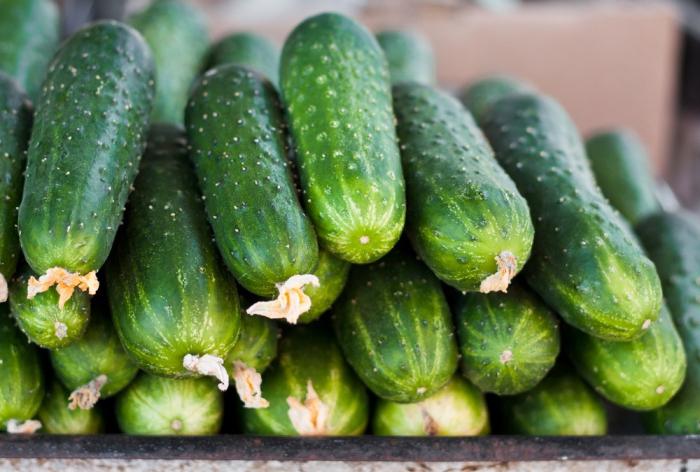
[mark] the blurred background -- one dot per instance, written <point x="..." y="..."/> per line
<point x="610" y="63"/>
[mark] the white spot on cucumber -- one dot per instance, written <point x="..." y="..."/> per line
<point x="660" y="389"/>
<point x="506" y="356"/>
<point x="61" y="330"/>
<point x="364" y="239"/>
<point x="646" y="324"/>
<point x="176" y="425"/>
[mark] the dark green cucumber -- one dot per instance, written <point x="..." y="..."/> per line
<point x="586" y="263"/>
<point x="465" y="217"/>
<point x="42" y="320"/>
<point x="257" y="344"/>
<point x="248" y="50"/>
<point x="308" y="355"/>
<point x="480" y="95"/>
<point x="29" y="33"/>
<point x="21" y="380"/>
<point x="177" y="35"/>
<point x="332" y="273"/>
<point x="621" y="168"/>
<point x="395" y="328"/>
<point x="161" y="406"/>
<point x="457" y="409"/>
<point x="15" y="126"/>
<point x="88" y="135"/>
<point x="238" y="149"/>
<point x="335" y="83"/>
<point x="561" y="405"/>
<point x="410" y="56"/>
<point x="508" y="341"/>
<point x="672" y="241"/>
<point x="57" y="418"/>
<point x="169" y="293"/>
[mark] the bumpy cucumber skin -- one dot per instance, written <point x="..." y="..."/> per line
<point x="256" y="345"/>
<point x="508" y="341"/>
<point x="98" y="352"/>
<point x="585" y="263"/>
<point x="395" y="328"/>
<point x="332" y="273"/>
<point x="177" y="35"/>
<point x="621" y="168"/>
<point x="642" y="374"/>
<point x="38" y="317"/>
<point x="248" y="50"/>
<point x="29" y="34"/>
<point x="335" y="83"/>
<point x="309" y="353"/>
<point x="15" y="126"/>
<point x="458" y="409"/>
<point x="57" y="418"/>
<point x="561" y="405"/>
<point x="672" y="241"/>
<point x="463" y="209"/>
<point x="161" y="406"/>
<point x="409" y="55"/>
<point x="169" y="292"/>
<point x="88" y="136"/>
<point x="238" y="148"/>
<point x="480" y="96"/>
<point x="21" y="380"/>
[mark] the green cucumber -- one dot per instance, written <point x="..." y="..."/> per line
<point x="57" y="418"/>
<point x="169" y="293"/>
<point x="561" y="405"/>
<point x="335" y="83"/>
<point x="310" y="366"/>
<point x="332" y="273"/>
<point x="672" y="241"/>
<point x="480" y="95"/>
<point x="643" y="374"/>
<point x="238" y="148"/>
<point x="621" y="168"/>
<point x="42" y="320"/>
<point x="249" y="50"/>
<point x="410" y="56"/>
<point x="457" y="409"/>
<point x="161" y="406"/>
<point x="257" y="344"/>
<point x="395" y="328"/>
<point x="29" y="34"/>
<point x="15" y="126"/>
<point x="177" y="34"/>
<point x="21" y="379"/>
<point x="88" y="135"/>
<point x="586" y="263"/>
<point x="508" y="341"/>
<point x="465" y="218"/>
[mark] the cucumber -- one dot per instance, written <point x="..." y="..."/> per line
<point x="643" y="374"/>
<point x="672" y="241"/>
<point x="15" y="126"/>
<point x="332" y="274"/>
<point x="586" y="263"/>
<point x="87" y="139"/>
<point x="249" y="50"/>
<point x="21" y="380"/>
<point x="177" y="34"/>
<point x="621" y="168"/>
<point x="42" y="320"/>
<point x="310" y="377"/>
<point x="561" y="405"/>
<point x="458" y="409"/>
<point x="174" y="305"/>
<point x="480" y="95"/>
<point x="465" y="219"/>
<point x="29" y="34"/>
<point x="395" y="328"/>
<point x="161" y="406"/>
<point x="335" y="83"/>
<point x="238" y="148"/>
<point x="57" y="418"/>
<point x="508" y="341"/>
<point x="96" y="366"/>
<point x="410" y="56"/>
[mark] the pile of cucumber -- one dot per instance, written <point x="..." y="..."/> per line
<point x="200" y="238"/>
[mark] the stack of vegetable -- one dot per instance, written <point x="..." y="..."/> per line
<point x="435" y="250"/>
